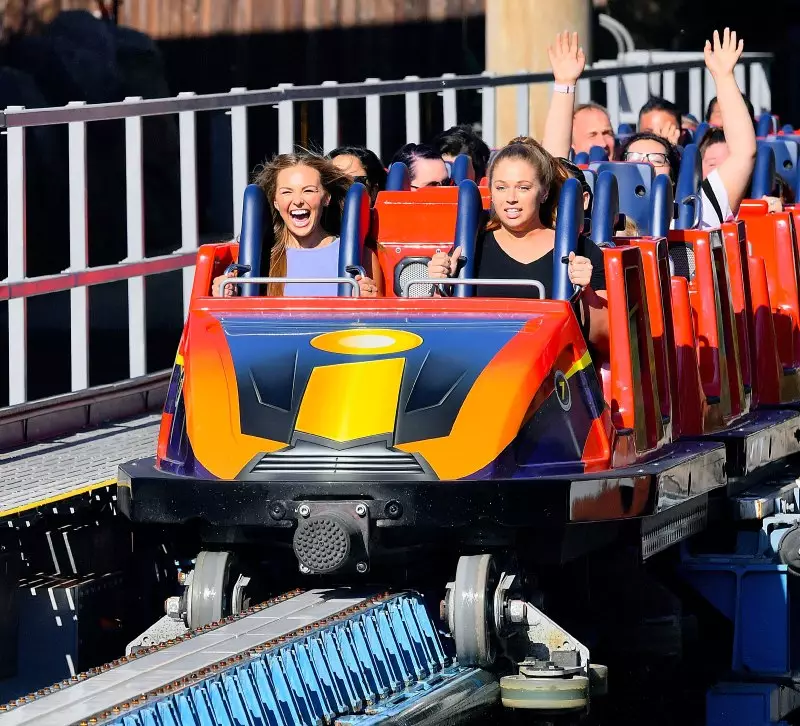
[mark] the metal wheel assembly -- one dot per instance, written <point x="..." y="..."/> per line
<point x="552" y="695"/>
<point x="470" y="610"/>
<point x="209" y="589"/>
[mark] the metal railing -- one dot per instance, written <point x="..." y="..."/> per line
<point x="628" y="82"/>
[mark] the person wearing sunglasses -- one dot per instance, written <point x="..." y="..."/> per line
<point x="363" y="166"/>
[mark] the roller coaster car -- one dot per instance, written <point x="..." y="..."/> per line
<point x="361" y="430"/>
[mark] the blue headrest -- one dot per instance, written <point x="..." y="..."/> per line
<point x="625" y="130"/>
<point x="598" y="153"/>
<point x="634" y="180"/>
<point x="690" y="176"/>
<point x="786" y="157"/>
<point x="569" y="225"/>
<point x="469" y="218"/>
<point x="251" y="239"/>
<point x="663" y="205"/>
<point x="355" y="227"/>
<point x="767" y="124"/>
<point x="582" y="157"/>
<point x="764" y="172"/>
<point x="605" y="208"/>
<point x="787" y="129"/>
<point x="462" y="169"/>
<point x="398" y="179"/>
<point x="700" y="132"/>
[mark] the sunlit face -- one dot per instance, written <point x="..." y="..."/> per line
<point x="516" y="194"/>
<point x="350" y="165"/>
<point x="299" y="198"/>
<point x="591" y="127"/>
<point x="656" y="120"/>
<point x="715" y="118"/>
<point x="714" y="156"/>
<point x="651" y="152"/>
<point x="428" y="173"/>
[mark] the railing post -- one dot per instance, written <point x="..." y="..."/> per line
<point x="740" y="74"/>
<point x="412" y="114"/>
<point x="373" y="104"/>
<point x="583" y="93"/>
<point x="190" y="236"/>
<point x="17" y="240"/>
<point x="524" y="108"/>
<point x="330" y="120"/>
<point x="240" y="166"/>
<point x="285" y="123"/>
<point x="78" y="253"/>
<point x="668" y="85"/>
<point x="612" y="100"/>
<point x="696" y="92"/>
<point x="449" y="104"/>
<point x="488" y="111"/>
<point x="137" y="328"/>
<point x="709" y="88"/>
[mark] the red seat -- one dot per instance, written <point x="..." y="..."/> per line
<point x="411" y="227"/>
<point x="773" y="238"/>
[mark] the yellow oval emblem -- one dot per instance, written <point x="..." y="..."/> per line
<point x="366" y="341"/>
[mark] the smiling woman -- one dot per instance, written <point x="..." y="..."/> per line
<point x="518" y="244"/>
<point x="307" y="194"/>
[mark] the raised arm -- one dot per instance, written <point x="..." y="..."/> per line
<point x="737" y="124"/>
<point x="567" y="60"/>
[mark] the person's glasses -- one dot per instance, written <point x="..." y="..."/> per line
<point x="654" y="157"/>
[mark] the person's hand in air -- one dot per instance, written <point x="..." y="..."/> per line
<point x="721" y="58"/>
<point x="668" y="131"/>
<point x="367" y="286"/>
<point x="567" y="58"/>
<point x="444" y="265"/>
<point x="579" y="270"/>
<point x="230" y="290"/>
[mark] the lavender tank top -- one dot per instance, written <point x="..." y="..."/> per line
<point x="317" y="262"/>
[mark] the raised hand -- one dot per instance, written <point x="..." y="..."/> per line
<point x="722" y="58"/>
<point x="444" y="265"/>
<point x="579" y="270"/>
<point x="567" y="58"/>
<point x="669" y="131"/>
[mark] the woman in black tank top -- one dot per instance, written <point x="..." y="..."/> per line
<point x="525" y="182"/>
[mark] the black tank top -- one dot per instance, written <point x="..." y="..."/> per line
<point x="494" y="263"/>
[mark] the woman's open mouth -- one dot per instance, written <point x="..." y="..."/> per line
<point x="300" y="217"/>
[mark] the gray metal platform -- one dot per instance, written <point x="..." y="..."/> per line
<point x="68" y="466"/>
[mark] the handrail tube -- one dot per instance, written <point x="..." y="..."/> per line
<point x="406" y="286"/>
<point x="96" y="275"/>
<point x="287" y="280"/>
<point x="225" y="101"/>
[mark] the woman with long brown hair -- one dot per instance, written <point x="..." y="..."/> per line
<point x="307" y="194"/>
<point x="519" y="240"/>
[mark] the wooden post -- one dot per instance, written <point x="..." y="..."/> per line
<point x="517" y="35"/>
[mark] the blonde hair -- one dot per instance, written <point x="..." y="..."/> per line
<point x="334" y="182"/>
<point x="550" y="172"/>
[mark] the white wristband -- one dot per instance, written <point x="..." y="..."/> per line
<point x="563" y="88"/>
